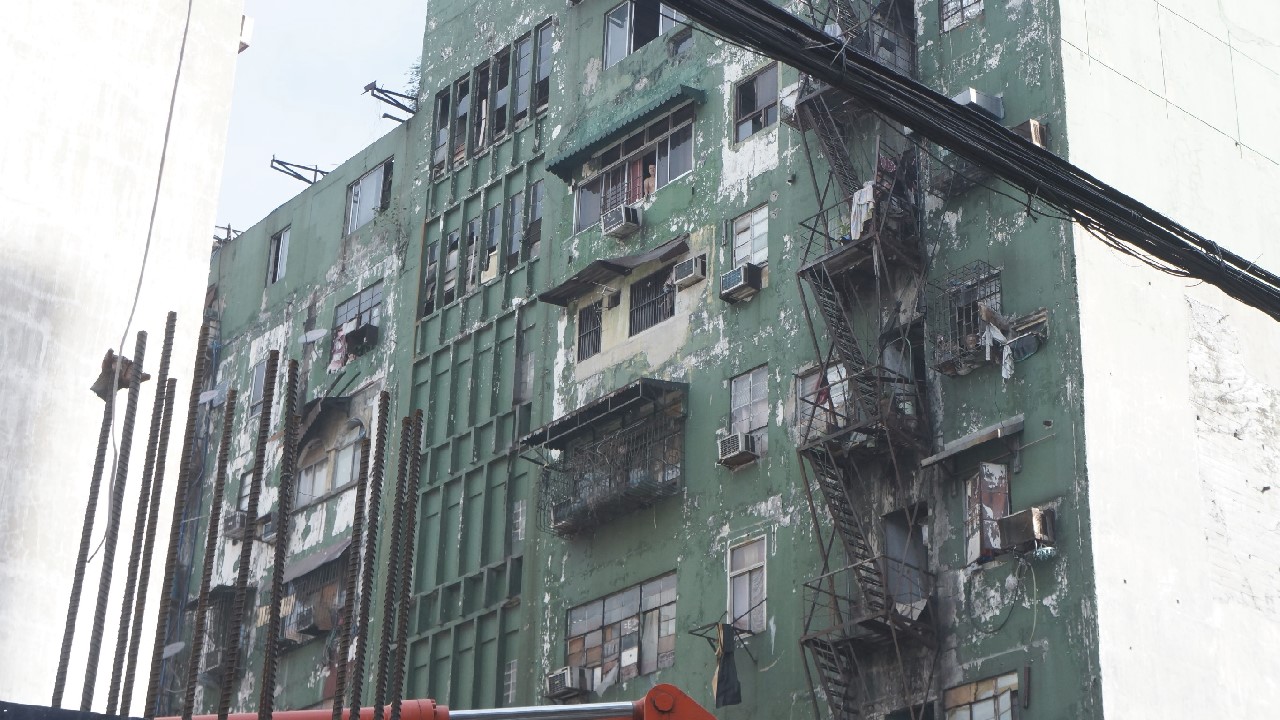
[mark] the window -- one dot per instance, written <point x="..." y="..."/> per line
<point x="746" y="586"/>
<point x="519" y="511"/>
<point x="317" y="603"/>
<point x="631" y="25"/>
<point x="991" y="699"/>
<point x="363" y="308"/>
<point x="509" y="682"/>
<point x="313" y="482"/>
<point x="626" y="634"/>
<point x="524" y="77"/>
<point x="958" y="12"/>
<point x="653" y="299"/>
<point x="988" y="501"/>
<point x="440" y="152"/>
<point x="589" y="329"/>
<point x="242" y="499"/>
<point x="480" y="116"/>
<point x="277" y="256"/>
<point x="524" y="384"/>
<point x="255" y="390"/>
<point x="646" y="160"/>
<point x="501" y="92"/>
<point x="431" y="267"/>
<point x="450" y="282"/>
<point x="533" y="235"/>
<point x="493" y="238"/>
<point x="755" y="103"/>
<point x="368" y="195"/>
<point x="346" y="463"/>
<point x="470" y="259"/>
<point x="461" y="111"/>
<point x="751" y="237"/>
<point x="542" y="80"/>
<point x="515" y="228"/>
<point x="749" y="406"/>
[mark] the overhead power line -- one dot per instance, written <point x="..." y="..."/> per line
<point x="1115" y="218"/>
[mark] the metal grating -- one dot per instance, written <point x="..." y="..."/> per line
<point x="960" y="307"/>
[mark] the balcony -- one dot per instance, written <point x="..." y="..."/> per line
<point x="611" y="457"/>
<point x="863" y="411"/>
<point x="869" y="604"/>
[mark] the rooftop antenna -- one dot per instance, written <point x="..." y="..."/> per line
<point x="295" y="170"/>
<point x="400" y="101"/>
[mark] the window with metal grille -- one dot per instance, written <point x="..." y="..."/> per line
<point x="755" y="102"/>
<point x="958" y="12"/>
<point x="364" y="307"/>
<point x="589" y="329"/>
<point x="626" y="634"/>
<point x="653" y="300"/>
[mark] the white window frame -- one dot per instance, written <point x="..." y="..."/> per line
<point x="668" y="19"/>
<point x="751" y="237"/>
<point x="749" y="621"/>
<point x="256" y="386"/>
<point x="756" y="427"/>
<point x="315" y="472"/>
<point x="769" y="111"/>
<point x="277" y="256"/>
<point x="371" y="184"/>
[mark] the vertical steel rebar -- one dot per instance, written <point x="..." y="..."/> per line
<point x="118" y="481"/>
<point x="210" y="552"/>
<point x="408" y="550"/>
<point x="186" y="465"/>
<point x="370" y="551"/>
<point x="82" y="558"/>
<point x="284" y="508"/>
<point x="232" y="664"/>
<point x="140" y="520"/>
<point x="144" y="572"/>
<point x="391" y="583"/>
<point x="353" y="572"/>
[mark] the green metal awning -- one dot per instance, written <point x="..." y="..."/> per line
<point x="577" y="150"/>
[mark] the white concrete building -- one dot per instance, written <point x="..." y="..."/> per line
<point x="87" y="90"/>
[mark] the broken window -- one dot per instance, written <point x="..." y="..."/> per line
<point x="431" y="267"/>
<point x="493" y="238"/>
<point x="368" y="196"/>
<point x="633" y="24"/>
<point x="646" y="160"/>
<point x="277" y="255"/>
<point x="749" y="406"/>
<point x="443" y="116"/>
<point x="958" y="12"/>
<point x="509" y="676"/>
<point x="524" y="77"/>
<point x="991" y="699"/>
<point x="533" y="235"/>
<point x="515" y="228"/>
<point x="542" y="80"/>
<point x="255" y="389"/>
<point x="480" y="114"/>
<point x="653" y="299"/>
<point x="590" y="329"/>
<point x="501" y="93"/>
<point x="242" y="498"/>
<point x="755" y="102"/>
<point x="461" y="110"/>
<point x="747" y="585"/>
<point x="314" y="601"/>
<point x="987" y="495"/>
<point x="626" y="634"/>
<point x="470" y="257"/>
<point x="969" y="331"/>
<point x="751" y="237"/>
<point x="362" y="310"/>
<point x="450" y="282"/>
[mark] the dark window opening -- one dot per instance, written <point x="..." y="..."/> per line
<point x="533" y="235"/>
<point x="429" y="279"/>
<point x="363" y="308"/>
<point x="277" y="256"/>
<point x="450" y="282"/>
<point x="634" y="24"/>
<point x="501" y="92"/>
<point x="462" y="106"/>
<point x="590" y="329"/>
<point x="756" y="103"/>
<point x="515" y="228"/>
<point x="542" y="81"/>
<point x="653" y="300"/>
<point x="470" y="257"/>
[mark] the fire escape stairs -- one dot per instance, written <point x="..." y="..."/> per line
<point x="835" y="491"/>
<point x="832" y="307"/>
<point x="837" y="672"/>
<point x="816" y="114"/>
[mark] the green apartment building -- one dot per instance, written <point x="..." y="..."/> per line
<point x="700" y="341"/>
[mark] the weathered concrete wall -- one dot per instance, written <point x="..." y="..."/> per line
<point x="1172" y="103"/>
<point x="88" y="89"/>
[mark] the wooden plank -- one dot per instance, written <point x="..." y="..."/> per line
<point x="1001" y="429"/>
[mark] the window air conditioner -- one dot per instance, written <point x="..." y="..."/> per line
<point x="740" y="283"/>
<point x="1027" y="530"/>
<point x="234" y="525"/>
<point x="737" y="449"/>
<point x="362" y="339"/>
<point x="689" y="272"/>
<point x="567" y="682"/>
<point x="621" y="222"/>
<point x="1035" y="131"/>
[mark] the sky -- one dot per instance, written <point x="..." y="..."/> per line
<point x="298" y="93"/>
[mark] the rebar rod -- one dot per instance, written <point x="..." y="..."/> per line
<point x="232" y="664"/>
<point x="353" y="573"/>
<point x="82" y="557"/>
<point x="408" y="550"/>
<point x="210" y="552"/>
<point x="370" y="551"/>
<point x="118" y="481"/>
<point x="144" y="571"/>
<point x="185" y="467"/>
<point x="391" y="584"/>
<point x="140" y="519"/>
<point x="284" y="508"/>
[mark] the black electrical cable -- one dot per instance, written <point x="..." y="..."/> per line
<point x="1118" y="220"/>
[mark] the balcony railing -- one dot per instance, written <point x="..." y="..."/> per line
<point x="858" y="408"/>
<point x="870" y="602"/>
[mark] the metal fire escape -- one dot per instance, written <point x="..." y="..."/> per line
<point x="863" y="418"/>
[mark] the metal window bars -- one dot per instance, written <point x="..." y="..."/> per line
<point x="653" y="300"/>
<point x="962" y="306"/>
